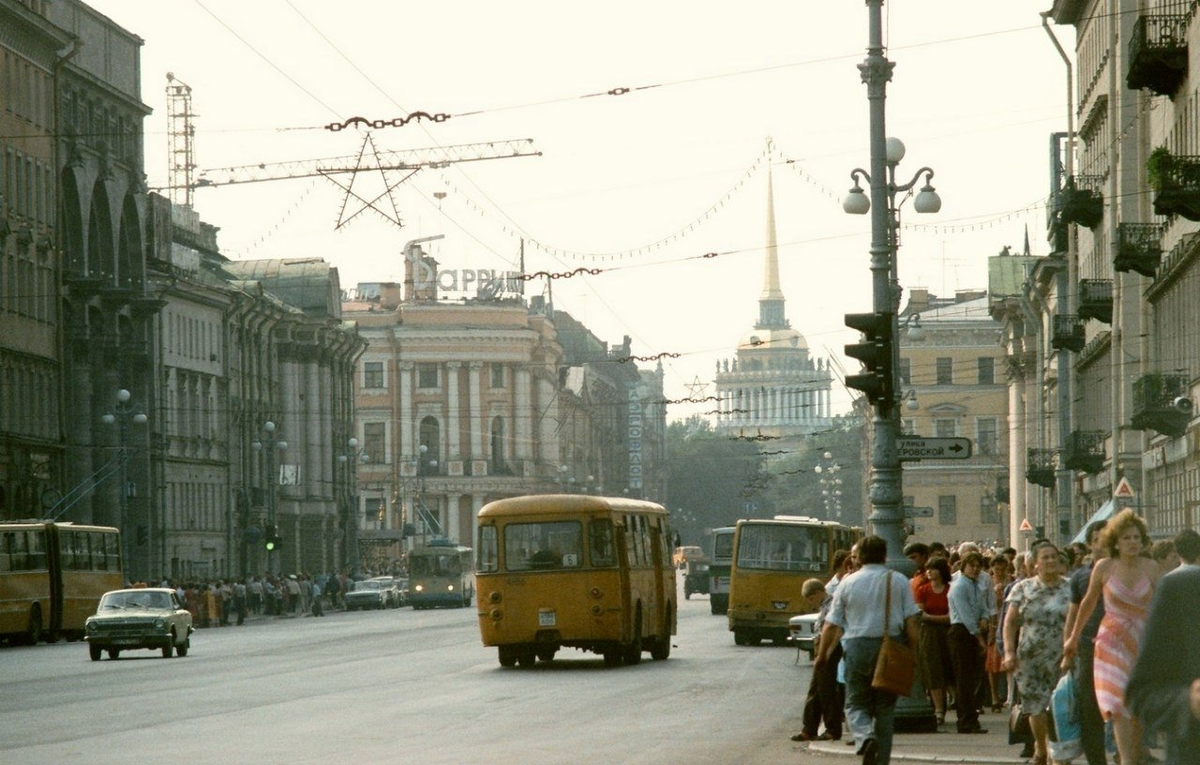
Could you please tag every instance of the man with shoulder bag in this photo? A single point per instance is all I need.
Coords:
(872, 610)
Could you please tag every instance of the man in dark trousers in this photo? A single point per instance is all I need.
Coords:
(825, 699)
(969, 622)
(1164, 688)
(1091, 724)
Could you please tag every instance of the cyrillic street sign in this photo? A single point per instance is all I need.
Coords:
(918, 512)
(910, 448)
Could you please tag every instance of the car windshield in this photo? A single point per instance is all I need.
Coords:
(369, 585)
(134, 600)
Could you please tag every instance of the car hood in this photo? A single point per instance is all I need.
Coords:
(132, 613)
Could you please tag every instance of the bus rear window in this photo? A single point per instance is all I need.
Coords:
(723, 546)
(543, 546)
(782, 548)
(487, 559)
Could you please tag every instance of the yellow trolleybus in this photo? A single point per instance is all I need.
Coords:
(576, 571)
(771, 560)
(52, 576)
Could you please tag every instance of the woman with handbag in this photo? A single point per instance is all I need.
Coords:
(1037, 610)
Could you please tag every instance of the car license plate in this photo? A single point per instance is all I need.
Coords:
(126, 641)
(547, 619)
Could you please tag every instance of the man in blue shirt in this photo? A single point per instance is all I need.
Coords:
(969, 618)
(857, 620)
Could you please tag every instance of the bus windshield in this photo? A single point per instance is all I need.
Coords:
(543, 546)
(441, 564)
(783, 547)
(723, 546)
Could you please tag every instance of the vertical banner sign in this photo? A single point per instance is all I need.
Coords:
(635, 437)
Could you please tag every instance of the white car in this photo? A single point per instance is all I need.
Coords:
(371, 593)
(802, 632)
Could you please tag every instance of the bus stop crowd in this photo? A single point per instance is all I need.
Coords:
(993, 628)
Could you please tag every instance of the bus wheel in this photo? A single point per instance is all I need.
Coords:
(660, 649)
(508, 657)
(546, 654)
(612, 657)
(94, 652)
(33, 635)
(168, 649)
(526, 659)
(633, 651)
(740, 637)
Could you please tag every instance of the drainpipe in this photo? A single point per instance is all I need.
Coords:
(1068, 282)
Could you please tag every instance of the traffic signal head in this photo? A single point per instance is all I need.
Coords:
(875, 354)
(271, 539)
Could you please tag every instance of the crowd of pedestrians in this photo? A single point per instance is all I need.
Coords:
(994, 628)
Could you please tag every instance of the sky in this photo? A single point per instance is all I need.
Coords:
(639, 185)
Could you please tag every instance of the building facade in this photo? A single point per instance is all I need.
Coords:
(952, 386)
(773, 386)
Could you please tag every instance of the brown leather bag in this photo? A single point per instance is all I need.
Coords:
(896, 665)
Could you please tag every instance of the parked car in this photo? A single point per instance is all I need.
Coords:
(802, 632)
(392, 586)
(370, 593)
(148, 617)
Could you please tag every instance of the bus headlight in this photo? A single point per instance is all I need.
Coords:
(449, 588)
(596, 593)
(495, 596)
(420, 588)
(596, 609)
(495, 614)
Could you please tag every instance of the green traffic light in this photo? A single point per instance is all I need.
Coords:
(270, 545)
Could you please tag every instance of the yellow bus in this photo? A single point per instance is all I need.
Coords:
(440, 574)
(52, 576)
(575, 571)
(771, 560)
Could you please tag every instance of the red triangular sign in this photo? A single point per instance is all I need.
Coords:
(1026, 526)
(1124, 490)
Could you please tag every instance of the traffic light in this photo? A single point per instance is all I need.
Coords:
(875, 353)
(271, 539)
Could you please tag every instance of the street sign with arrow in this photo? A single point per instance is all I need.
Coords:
(912, 448)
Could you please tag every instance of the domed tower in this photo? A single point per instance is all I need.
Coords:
(772, 385)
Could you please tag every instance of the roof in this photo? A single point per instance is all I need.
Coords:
(1007, 274)
(968, 310)
(310, 284)
(558, 504)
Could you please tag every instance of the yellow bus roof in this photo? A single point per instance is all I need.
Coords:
(555, 504)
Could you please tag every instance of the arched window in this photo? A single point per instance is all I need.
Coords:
(430, 439)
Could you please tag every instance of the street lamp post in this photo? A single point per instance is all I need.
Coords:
(121, 414)
(350, 460)
(887, 517)
(831, 486)
(269, 443)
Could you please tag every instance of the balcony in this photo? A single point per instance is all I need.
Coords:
(1095, 299)
(1158, 54)
(1176, 183)
(1085, 451)
(1068, 333)
(1080, 200)
(1139, 248)
(1162, 402)
(1040, 467)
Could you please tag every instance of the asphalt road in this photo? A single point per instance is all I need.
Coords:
(398, 687)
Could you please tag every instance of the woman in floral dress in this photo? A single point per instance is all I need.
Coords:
(1038, 611)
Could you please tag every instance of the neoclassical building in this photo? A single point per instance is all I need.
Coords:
(773, 386)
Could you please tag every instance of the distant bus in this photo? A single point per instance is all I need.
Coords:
(771, 560)
(52, 576)
(718, 569)
(575, 571)
(440, 574)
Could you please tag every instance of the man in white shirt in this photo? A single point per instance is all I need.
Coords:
(857, 620)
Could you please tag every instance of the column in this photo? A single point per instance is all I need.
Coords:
(314, 447)
(523, 416)
(453, 445)
(405, 416)
(452, 528)
(548, 450)
(475, 404)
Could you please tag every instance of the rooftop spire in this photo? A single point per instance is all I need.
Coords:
(771, 302)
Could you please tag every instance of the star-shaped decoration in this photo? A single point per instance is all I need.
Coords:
(697, 389)
(365, 190)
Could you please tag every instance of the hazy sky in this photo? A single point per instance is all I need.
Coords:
(977, 90)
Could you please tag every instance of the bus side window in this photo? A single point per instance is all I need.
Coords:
(37, 550)
(66, 549)
(99, 559)
(488, 560)
(6, 541)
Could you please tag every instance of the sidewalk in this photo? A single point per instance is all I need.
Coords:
(945, 746)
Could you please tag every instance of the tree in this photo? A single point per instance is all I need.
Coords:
(706, 476)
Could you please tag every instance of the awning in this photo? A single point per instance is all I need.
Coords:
(1103, 514)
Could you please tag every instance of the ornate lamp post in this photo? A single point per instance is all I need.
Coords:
(268, 444)
(887, 516)
(349, 462)
(831, 486)
(121, 414)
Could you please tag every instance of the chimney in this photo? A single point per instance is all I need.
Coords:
(389, 296)
(918, 300)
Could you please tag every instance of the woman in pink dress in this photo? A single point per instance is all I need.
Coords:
(1127, 582)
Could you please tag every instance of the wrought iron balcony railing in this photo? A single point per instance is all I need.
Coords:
(1080, 200)
(1068, 333)
(1162, 402)
(1158, 54)
(1040, 466)
(1139, 248)
(1095, 299)
(1175, 180)
(1085, 451)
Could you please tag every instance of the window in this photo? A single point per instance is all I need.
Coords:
(497, 375)
(945, 371)
(908, 427)
(987, 370)
(372, 374)
(783, 548)
(944, 428)
(487, 558)
(427, 375)
(906, 371)
(543, 546)
(375, 441)
(985, 436)
(600, 537)
(989, 512)
(947, 510)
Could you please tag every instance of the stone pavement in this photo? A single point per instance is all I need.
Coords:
(945, 746)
